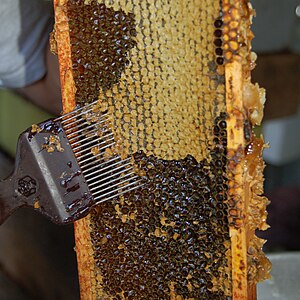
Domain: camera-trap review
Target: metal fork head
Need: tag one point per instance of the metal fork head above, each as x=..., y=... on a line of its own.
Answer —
x=63, y=170
x=90, y=135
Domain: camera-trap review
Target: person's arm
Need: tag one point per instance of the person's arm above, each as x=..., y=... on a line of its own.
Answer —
x=26, y=64
x=45, y=92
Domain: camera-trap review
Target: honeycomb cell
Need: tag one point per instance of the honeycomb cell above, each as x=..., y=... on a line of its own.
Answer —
x=218, y=33
x=220, y=60
x=100, y=39
x=179, y=228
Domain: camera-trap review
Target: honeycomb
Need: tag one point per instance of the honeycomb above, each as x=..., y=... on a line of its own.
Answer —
x=173, y=231
x=163, y=72
x=100, y=52
x=175, y=77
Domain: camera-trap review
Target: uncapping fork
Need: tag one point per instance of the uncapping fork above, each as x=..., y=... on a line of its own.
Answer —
x=62, y=169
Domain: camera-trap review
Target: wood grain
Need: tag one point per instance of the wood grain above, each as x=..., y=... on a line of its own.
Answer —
x=82, y=231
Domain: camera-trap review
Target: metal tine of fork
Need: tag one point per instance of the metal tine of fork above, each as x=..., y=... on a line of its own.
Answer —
x=110, y=166
x=74, y=113
x=80, y=162
x=84, y=171
x=105, y=143
x=109, y=177
x=101, y=189
x=78, y=121
x=95, y=127
x=107, y=185
x=118, y=193
x=105, y=138
x=99, y=173
x=75, y=129
x=90, y=155
x=84, y=134
x=79, y=157
x=88, y=138
x=93, y=163
x=92, y=145
x=71, y=131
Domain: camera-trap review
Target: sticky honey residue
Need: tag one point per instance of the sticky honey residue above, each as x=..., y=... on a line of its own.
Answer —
x=173, y=295
x=254, y=166
x=258, y=264
x=53, y=43
x=35, y=128
x=52, y=143
x=36, y=204
x=95, y=150
x=254, y=100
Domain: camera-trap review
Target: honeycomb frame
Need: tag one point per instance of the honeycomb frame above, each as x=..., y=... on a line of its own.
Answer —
x=244, y=103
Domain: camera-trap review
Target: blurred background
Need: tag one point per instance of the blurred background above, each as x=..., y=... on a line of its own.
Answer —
x=37, y=257
x=51, y=271
x=277, y=43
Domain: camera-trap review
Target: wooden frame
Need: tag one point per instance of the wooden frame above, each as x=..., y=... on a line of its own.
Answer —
x=234, y=73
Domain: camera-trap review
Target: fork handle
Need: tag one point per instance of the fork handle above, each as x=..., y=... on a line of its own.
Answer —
x=9, y=201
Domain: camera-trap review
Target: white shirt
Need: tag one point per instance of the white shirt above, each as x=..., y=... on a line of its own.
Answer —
x=24, y=33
